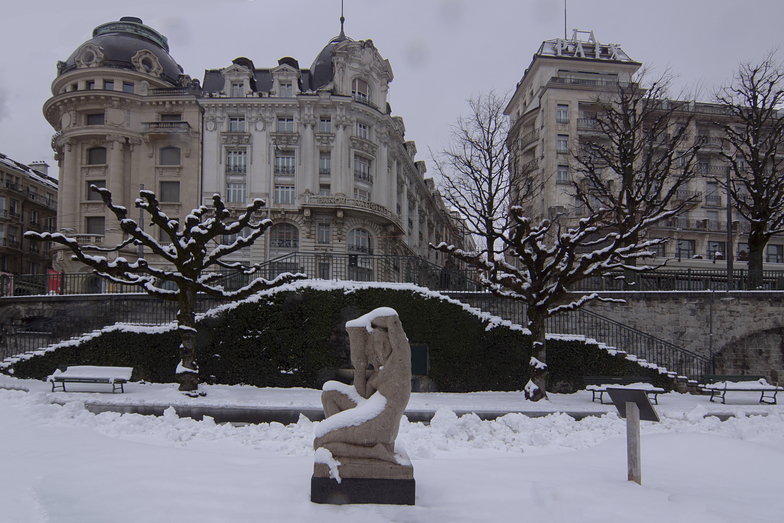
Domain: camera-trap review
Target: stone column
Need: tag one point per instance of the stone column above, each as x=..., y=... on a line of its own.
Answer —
x=115, y=182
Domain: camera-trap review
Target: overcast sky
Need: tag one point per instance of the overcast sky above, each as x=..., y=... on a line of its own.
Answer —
x=441, y=51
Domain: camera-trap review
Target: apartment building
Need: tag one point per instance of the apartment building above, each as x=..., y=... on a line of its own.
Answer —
x=28, y=202
x=319, y=144
x=553, y=111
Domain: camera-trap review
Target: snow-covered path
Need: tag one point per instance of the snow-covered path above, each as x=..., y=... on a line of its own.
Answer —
x=63, y=464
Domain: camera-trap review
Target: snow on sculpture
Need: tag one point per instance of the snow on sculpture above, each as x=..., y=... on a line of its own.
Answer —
x=357, y=439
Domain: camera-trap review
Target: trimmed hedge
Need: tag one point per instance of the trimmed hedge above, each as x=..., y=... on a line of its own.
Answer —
x=298, y=339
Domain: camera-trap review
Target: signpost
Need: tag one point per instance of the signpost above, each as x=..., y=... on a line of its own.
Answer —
x=634, y=405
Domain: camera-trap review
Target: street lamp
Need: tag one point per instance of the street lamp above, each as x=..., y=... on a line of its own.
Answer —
x=730, y=251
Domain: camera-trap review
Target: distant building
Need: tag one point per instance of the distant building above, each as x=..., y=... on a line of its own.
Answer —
x=28, y=202
x=551, y=113
x=320, y=145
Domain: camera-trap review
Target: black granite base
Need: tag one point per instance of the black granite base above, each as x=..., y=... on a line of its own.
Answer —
x=355, y=490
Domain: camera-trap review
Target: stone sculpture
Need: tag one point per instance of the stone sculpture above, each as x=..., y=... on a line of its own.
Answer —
x=356, y=458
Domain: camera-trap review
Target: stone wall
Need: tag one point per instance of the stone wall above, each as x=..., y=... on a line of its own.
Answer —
x=746, y=326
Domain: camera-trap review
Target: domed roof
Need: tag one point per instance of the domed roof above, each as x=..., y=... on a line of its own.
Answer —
x=322, y=71
x=127, y=44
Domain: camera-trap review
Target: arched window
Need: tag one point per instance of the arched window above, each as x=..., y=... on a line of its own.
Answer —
x=96, y=156
x=359, y=241
x=170, y=156
x=360, y=90
x=284, y=236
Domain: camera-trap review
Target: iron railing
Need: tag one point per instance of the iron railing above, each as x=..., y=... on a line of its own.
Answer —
x=591, y=325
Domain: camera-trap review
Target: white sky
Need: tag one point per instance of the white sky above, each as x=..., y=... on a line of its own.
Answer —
x=442, y=51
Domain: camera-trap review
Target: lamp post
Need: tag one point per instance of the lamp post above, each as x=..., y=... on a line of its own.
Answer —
x=729, y=249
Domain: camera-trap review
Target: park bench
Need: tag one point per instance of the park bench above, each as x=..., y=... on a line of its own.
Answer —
x=116, y=376
x=598, y=385
x=719, y=385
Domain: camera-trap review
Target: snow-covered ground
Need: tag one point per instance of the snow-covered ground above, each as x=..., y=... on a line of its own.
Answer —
x=61, y=463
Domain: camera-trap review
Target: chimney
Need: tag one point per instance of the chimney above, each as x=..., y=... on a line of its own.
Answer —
x=40, y=166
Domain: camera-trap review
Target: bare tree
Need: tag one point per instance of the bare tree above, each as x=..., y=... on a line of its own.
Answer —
x=191, y=252
x=754, y=136
x=474, y=170
x=543, y=261
x=640, y=156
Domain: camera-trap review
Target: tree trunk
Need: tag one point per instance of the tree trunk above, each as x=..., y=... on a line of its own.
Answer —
x=757, y=242
x=187, y=370
x=536, y=388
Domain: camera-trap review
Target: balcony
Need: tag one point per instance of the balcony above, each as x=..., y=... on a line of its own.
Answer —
x=285, y=169
x=165, y=127
x=363, y=176
x=364, y=100
x=709, y=142
x=11, y=243
x=686, y=196
x=331, y=202
x=588, y=125
x=236, y=169
x=529, y=138
x=284, y=244
x=325, y=171
x=713, y=200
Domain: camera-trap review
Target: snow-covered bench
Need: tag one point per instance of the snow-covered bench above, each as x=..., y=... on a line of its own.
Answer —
x=600, y=384
x=116, y=376
x=767, y=391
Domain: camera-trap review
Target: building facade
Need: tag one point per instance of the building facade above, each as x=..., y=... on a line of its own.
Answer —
x=28, y=202
x=320, y=145
x=553, y=110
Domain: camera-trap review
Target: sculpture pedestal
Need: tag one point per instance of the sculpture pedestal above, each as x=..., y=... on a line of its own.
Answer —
x=363, y=490
x=364, y=481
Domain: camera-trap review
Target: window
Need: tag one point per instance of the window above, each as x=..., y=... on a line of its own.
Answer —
x=49, y=227
x=562, y=175
x=324, y=237
x=236, y=193
x=324, y=189
x=325, y=125
x=685, y=249
x=13, y=208
x=33, y=217
x=171, y=117
x=284, y=236
x=108, y=85
x=2, y=206
x=96, y=225
x=562, y=113
x=170, y=192
x=128, y=87
x=716, y=250
x=94, y=119
x=12, y=238
x=170, y=156
x=284, y=194
x=359, y=241
x=286, y=90
x=774, y=254
x=360, y=90
x=712, y=194
x=237, y=124
x=363, y=131
x=284, y=162
x=325, y=164
x=237, y=89
x=362, y=169
x=286, y=125
x=95, y=195
x=228, y=239
x=361, y=194
x=96, y=156
x=563, y=143
x=236, y=162
x=90, y=84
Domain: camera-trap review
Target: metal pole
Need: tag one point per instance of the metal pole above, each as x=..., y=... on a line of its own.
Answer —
x=730, y=251
x=141, y=225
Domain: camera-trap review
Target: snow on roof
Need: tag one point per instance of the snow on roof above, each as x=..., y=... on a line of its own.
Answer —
x=28, y=171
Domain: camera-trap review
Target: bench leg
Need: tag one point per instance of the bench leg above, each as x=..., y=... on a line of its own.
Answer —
x=766, y=400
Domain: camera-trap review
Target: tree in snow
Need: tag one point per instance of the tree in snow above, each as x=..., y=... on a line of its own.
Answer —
x=475, y=176
x=192, y=251
x=754, y=139
x=538, y=262
x=640, y=158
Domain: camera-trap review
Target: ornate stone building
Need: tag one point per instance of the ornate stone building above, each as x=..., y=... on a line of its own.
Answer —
x=320, y=145
x=552, y=111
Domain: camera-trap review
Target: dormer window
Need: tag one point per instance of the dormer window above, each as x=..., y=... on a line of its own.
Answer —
x=237, y=89
x=286, y=90
x=360, y=90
